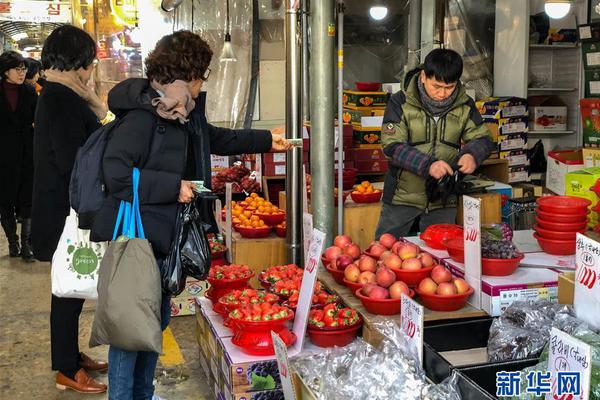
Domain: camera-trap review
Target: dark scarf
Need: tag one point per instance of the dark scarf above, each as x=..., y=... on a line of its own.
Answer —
x=436, y=108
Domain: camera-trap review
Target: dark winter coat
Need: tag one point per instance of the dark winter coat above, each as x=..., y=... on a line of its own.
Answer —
x=16, y=149
x=161, y=150
x=63, y=122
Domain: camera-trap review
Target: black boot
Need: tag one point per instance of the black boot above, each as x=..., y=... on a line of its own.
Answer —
x=10, y=229
x=26, y=251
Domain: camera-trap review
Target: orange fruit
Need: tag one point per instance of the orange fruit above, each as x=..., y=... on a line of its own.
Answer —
x=236, y=212
x=253, y=195
x=267, y=210
x=360, y=189
x=261, y=223
x=261, y=209
x=255, y=224
x=365, y=183
x=268, y=204
x=254, y=218
x=247, y=214
x=370, y=189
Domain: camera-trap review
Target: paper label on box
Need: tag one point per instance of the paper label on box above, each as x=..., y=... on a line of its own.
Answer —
x=280, y=170
x=515, y=127
x=518, y=159
x=512, y=144
x=284, y=369
x=570, y=366
x=594, y=87
x=472, y=237
x=587, y=281
x=278, y=157
x=514, y=111
x=411, y=322
x=309, y=278
x=507, y=297
x=593, y=59
x=585, y=32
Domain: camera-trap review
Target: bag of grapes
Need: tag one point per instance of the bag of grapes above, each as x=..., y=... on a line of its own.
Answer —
x=496, y=242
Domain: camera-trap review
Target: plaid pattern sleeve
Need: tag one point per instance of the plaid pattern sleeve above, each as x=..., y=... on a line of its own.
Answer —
x=405, y=156
x=479, y=148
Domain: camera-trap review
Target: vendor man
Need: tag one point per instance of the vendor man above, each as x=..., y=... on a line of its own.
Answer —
x=424, y=126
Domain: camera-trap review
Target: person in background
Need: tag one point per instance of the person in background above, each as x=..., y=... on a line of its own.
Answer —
x=68, y=112
x=428, y=127
x=155, y=113
x=34, y=72
x=17, y=110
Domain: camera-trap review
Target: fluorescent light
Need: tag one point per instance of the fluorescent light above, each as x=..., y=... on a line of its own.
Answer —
x=378, y=12
x=557, y=9
x=20, y=36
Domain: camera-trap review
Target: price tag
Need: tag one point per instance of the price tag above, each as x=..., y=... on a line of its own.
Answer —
x=229, y=241
x=587, y=281
x=472, y=238
x=309, y=278
x=284, y=367
x=307, y=225
x=411, y=319
x=570, y=366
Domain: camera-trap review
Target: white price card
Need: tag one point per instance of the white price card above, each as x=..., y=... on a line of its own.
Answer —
x=587, y=281
x=284, y=367
x=307, y=227
x=228, y=221
x=411, y=322
x=570, y=367
x=309, y=278
x=472, y=238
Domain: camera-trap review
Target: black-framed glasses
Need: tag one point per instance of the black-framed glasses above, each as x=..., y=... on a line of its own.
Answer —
x=206, y=75
x=22, y=70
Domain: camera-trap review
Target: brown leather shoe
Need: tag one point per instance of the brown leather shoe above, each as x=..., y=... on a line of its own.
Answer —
x=83, y=383
x=91, y=365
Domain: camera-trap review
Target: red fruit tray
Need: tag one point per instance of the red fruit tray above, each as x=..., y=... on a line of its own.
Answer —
x=368, y=86
x=434, y=235
x=500, y=267
x=444, y=303
x=254, y=233
x=272, y=219
x=338, y=275
x=556, y=247
x=220, y=287
x=563, y=204
x=330, y=338
x=549, y=234
x=280, y=232
x=380, y=306
x=366, y=197
x=412, y=277
x=456, y=249
x=254, y=338
x=561, y=226
x=353, y=286
x=562, y=218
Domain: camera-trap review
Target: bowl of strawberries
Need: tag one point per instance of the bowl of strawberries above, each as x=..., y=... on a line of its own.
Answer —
x=274, y=274
x=332, y=326
x=225, y=278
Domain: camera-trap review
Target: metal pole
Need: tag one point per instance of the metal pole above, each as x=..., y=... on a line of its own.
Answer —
x=322, y=103
x=340, y=144
x=305, y=63
x=414, y=34
x=293, y=125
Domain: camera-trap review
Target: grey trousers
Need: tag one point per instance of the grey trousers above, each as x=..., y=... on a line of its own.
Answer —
x=398, y=220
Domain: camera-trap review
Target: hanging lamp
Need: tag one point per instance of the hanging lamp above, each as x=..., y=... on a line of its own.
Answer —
x=170, y=5
x=227, y=54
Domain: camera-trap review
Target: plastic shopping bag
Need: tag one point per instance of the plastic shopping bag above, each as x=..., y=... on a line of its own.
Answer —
x=75, y=262
x=171, y=269
x=195, y=252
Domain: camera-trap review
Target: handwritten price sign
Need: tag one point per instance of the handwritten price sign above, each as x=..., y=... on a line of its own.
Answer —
x=570, y=365
x=284, y=367
x=472, y=237
x=587, y=280
x=411, y=319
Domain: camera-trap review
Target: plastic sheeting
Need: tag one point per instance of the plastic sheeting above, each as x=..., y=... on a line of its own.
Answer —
x=469, y=30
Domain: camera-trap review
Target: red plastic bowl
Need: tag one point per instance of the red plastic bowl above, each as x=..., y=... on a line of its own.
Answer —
x=436, y=302
x=327, y=338
x=366, y=197
x=456, y=249
x=564, y=218
x=368, y=86
x=549, y=234
x=412, y=277
x=263, y=282
x=338, y=275
x=561, y=226
x=218, y=254
x=563, y=204
x=280, y=232
x=353, y=286
x=380, y=306
x=556, y=247
x=271, y=219
x=325, y=261
x=499, y=267
x=220, y=287
x=434, y=235
x=254, y=233
x=254, y=338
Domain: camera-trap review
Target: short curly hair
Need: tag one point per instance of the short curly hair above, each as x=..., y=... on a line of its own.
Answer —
x=182, y=55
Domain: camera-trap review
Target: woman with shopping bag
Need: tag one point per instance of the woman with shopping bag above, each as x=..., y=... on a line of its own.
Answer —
x=155, y=135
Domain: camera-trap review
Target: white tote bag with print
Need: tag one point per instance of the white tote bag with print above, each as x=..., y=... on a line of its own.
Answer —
x=75, y=262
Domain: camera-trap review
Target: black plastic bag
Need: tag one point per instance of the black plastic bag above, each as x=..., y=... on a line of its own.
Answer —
x=537, y=158
x=171, y=268
x=195, y=252
x=446, y=187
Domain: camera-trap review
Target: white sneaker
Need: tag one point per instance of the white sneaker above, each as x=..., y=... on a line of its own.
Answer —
x=155, y=397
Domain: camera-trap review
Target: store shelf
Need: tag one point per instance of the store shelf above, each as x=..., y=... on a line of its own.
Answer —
x=550, y=133
x=549, y=89
x=554, y=46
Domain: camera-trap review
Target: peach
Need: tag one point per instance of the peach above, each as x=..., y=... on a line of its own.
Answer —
x=461, y=285
x=352, y=250
x=426, y=260
x=332, y=253
x=366, y=277
x=440, y=274
x=393, y=261
x=342, y=241
x=407, y=251
x=385, y=277
x=352, y=272
x=379, y=293
x=446, y=289
x=367, y=288
x=377, y=250
x=367, y=263
x=397, y=289
x=428, y=286
x=387, y=240
x=411, y=264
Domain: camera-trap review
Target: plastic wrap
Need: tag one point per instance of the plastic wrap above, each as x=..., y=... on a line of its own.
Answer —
x=523, y=329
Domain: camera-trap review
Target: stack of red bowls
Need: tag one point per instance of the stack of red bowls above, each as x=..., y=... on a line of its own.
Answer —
x=559, y=219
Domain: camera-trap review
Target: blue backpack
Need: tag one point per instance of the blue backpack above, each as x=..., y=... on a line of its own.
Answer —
x=87, y=191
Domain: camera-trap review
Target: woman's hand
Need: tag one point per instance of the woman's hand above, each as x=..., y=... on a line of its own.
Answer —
x=279, y=143
x=186, y=193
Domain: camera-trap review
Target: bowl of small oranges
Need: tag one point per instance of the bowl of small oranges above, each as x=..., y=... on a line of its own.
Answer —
x=366, y=193
x=281, y=229
x=236, y=210
x=253, y=227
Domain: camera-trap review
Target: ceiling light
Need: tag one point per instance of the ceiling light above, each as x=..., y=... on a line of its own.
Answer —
x=557, y=9
x=20, y=36
x=227, y=54
x=378, y=12
x=170, y=5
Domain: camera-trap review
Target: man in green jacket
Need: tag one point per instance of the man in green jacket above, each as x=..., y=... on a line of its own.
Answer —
x=428, y=127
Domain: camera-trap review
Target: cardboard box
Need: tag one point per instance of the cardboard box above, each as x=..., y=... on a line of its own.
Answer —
x=591, y=157
x=592, y=82
x=590, y=116
x=566, y=287
x=578, y=183
x=507, y=126
x=368, y=154
x=502, y=107
x=591, y=54
x=353, y=99
x=499, y=292
x=518, y=174
x=354, y=116
x=372, y=166
x=367, y=135
x=512, y=142
x=547, y=113
x=515, y=157
x=560, y=163
x=184, y=303
x=223, y=391
x=506, y=192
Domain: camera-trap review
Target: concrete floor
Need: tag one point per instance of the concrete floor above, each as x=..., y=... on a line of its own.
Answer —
x=25, y=371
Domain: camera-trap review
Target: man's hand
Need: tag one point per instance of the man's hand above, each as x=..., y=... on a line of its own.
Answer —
x=467, y=164
x=279, y=143
x=186, y=192
x=440, y=168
